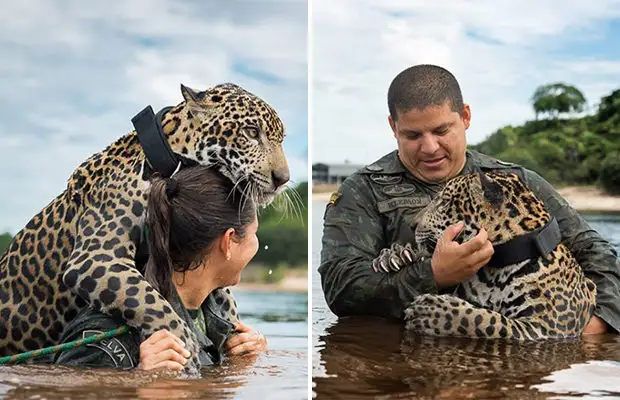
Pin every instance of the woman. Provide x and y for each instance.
(201, 233)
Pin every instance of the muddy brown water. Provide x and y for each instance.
(281, 373)
(373, 358)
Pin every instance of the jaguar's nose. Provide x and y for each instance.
(280, 177)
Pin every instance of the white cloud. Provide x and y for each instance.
(500, 51)
(74, 74)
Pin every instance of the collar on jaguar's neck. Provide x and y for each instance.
(537, 243)
(159, 155)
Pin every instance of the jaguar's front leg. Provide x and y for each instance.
(394, 258)
(101, 270)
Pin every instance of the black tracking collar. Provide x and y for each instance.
(532, 245)
(159, 155)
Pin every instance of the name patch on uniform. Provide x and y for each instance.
(382, 179)
(399, 190)
(113, 348)
(400, 202)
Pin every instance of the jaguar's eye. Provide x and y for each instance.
(251, 131)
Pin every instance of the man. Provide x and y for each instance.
(375, 208)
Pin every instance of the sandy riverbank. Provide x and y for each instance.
(297, 284)
(582, 198)
(321, 197)
(590, 199)
(259, 278)
(322, 192)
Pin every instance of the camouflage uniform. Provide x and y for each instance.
(376, 206)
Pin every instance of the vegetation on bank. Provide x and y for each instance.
(282, 234)
(562, 148)
(5, 239)
(257, 273)
(283, 230)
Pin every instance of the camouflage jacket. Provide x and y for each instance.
(375, 207)
(123, 351)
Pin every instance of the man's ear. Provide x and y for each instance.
(392, 124)
(466, 115)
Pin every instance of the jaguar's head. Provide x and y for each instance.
(500, 203)
(235, 131)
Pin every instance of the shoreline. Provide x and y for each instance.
(282, 287)
(590, 199)
(586, 199)
(293, 282)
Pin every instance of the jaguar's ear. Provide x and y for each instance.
(197, 102)
(190, 95)
(492, 190)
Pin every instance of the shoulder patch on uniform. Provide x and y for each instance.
(384, 179)
(334, 198)
(117, 352)
(374, 168)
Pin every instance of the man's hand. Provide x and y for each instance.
(595, 326)
(163, 350)
(453, 263)
(247, 341)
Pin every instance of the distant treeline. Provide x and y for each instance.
(564, 150)
(5, 239)
(284, 230)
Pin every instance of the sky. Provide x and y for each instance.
(74, 73)
(499, 51)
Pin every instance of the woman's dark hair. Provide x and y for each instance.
(185, 214)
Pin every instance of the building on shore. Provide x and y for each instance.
(332, 174)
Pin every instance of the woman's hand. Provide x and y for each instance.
(247, 341)
(163, 350)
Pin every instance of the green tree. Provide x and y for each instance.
(557, 98)
(608, 117)
(581, 151)
(282, 242)
(609, 106)
(610, 173)
(499, 141)
(522, 157)
(282, 230)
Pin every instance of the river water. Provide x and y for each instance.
(281, 373)
(371, 358)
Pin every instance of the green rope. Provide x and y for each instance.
(17, 358)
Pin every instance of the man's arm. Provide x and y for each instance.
(352, 238)
(596, 255)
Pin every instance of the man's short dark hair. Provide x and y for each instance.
(421, 86)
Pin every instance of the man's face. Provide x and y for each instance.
(431, 142)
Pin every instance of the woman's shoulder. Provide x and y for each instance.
(122, 351)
